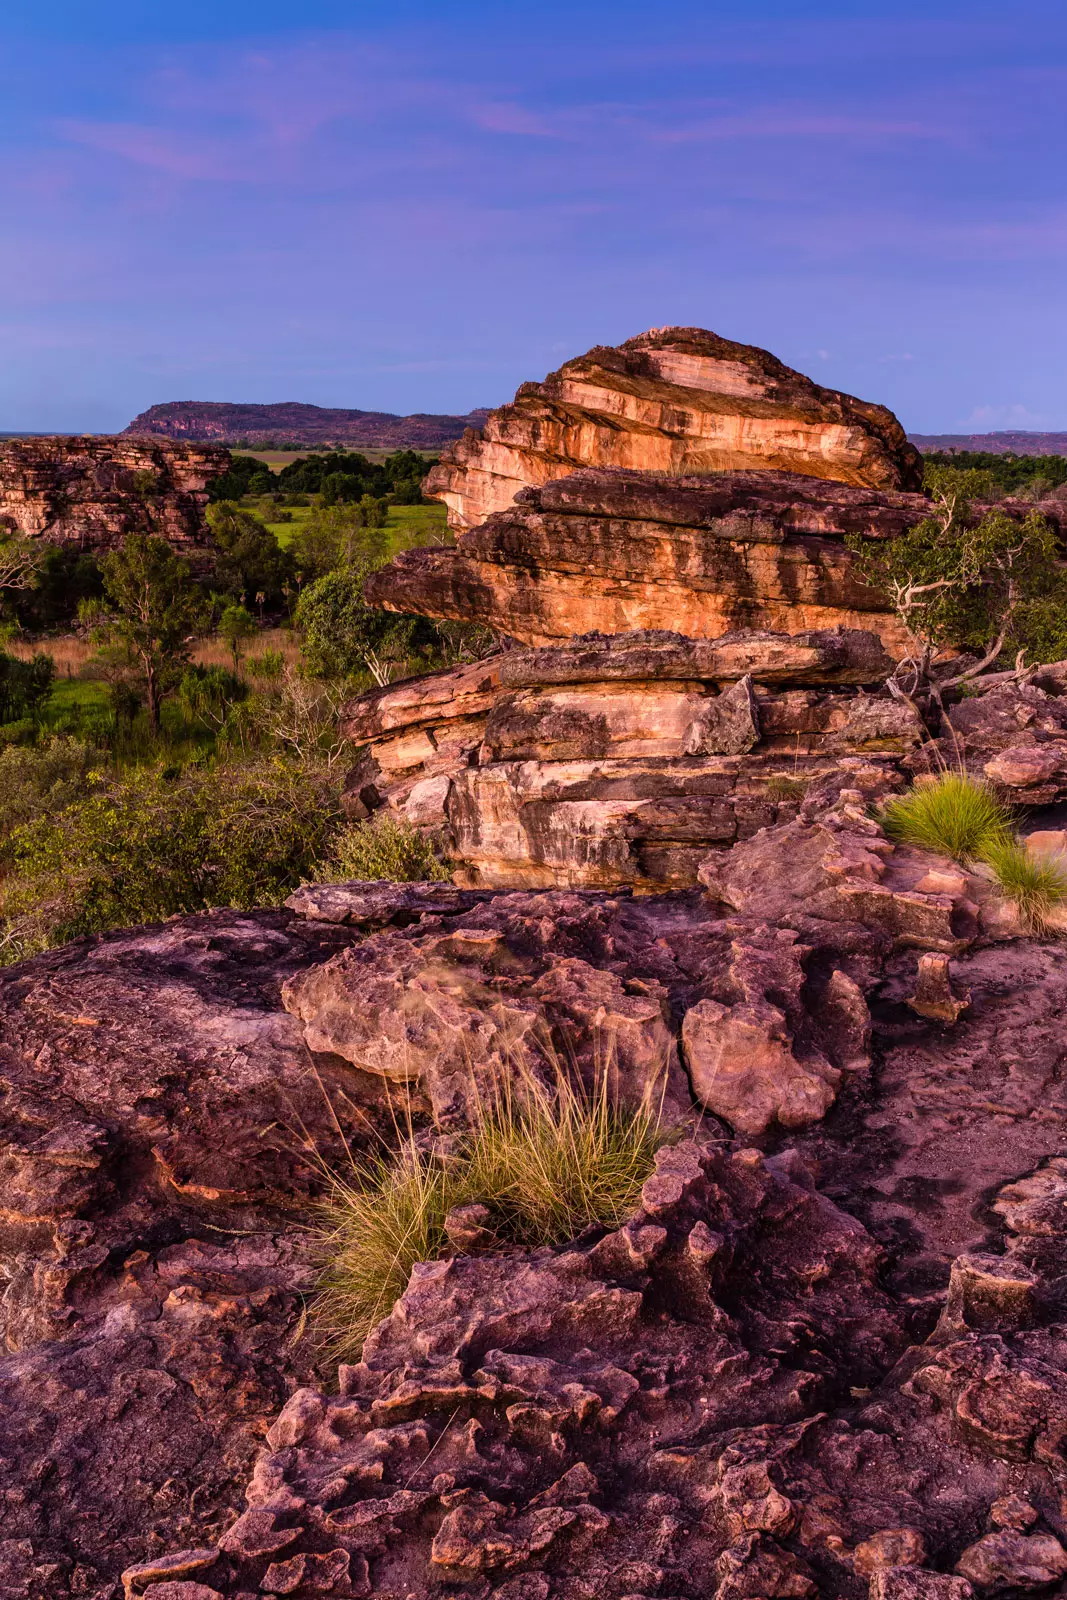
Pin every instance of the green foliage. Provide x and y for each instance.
(65, 576)
(249, 562)
(37, 781)
(547, 1160)
(154, 606)
(343, 636)
(399, 476)
(337, 536)
(383, 848)
(235, 626)
(208, 695)
(985, 584)
(245, 475)
(1029, 476)
(952, 814)
(1034, 881)
(24, 685)
(154, 843)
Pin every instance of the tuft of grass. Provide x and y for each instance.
(379, 1220)
(784, 788)
(1036, 883)
(384, 848)
(551, 1159)
(547, 1159)
(953, 814)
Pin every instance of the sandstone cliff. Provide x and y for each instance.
(675, 400)
(93, 491)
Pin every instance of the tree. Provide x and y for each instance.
(20, 561)
(344, 636)
(235, 626)
(338, 536)
(249, 558)
(957, 580)
(154, 606)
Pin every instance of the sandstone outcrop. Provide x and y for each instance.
(621, 760)
(814, 1350)
(611, 552)
(92, 492)
(674, 400)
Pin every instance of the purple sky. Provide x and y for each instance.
(411, 205)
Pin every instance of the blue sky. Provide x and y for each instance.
(416, 205)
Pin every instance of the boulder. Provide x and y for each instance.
(673, 400)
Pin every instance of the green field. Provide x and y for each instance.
(405, 526)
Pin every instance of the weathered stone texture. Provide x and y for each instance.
(674, 400)
(92, 491)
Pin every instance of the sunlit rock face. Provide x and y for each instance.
(94, 491)
(612, 551)
(675, 400)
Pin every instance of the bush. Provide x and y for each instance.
(546, 1160)
(37, 781)
(24, 685)
(384, 848)
(1036, 883)
(154, 844)
(952, 814)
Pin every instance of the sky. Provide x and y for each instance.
(416, 205)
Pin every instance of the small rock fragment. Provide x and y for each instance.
(934, 997)
(890, 1547)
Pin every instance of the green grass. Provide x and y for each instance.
(547, 1160)
(405, 526)
(952, 814)
(1035, 882)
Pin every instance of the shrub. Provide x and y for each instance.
(24, 685)
(548, 1160)
(155, 844)
(952, 814)
(384, 848)
(1036, 883)
(37, 781)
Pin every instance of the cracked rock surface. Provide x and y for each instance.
(827, 1355)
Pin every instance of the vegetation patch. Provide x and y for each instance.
(384, 848)
(951, 814)
(546, 1159)
(1037, 883)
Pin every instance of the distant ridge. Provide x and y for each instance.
(219, 422)
(998, 444)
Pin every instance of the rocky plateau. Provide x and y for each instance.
(827, 1353)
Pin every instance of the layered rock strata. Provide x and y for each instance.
(620, 760)
(673, 400)
(93, 492)
(614, 551)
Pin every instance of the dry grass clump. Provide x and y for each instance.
(953, 814)
(547, 1159)
(1036, 883)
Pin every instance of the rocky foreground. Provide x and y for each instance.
(826, 1355)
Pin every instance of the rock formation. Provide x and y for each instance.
(294, 423)
(623, 759)
(824, 1356)
(93, 491)
(674, 400)
(614, 551)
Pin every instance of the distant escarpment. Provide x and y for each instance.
(1010, 442)
(294, 423)
(674, 400)
(94, 491)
